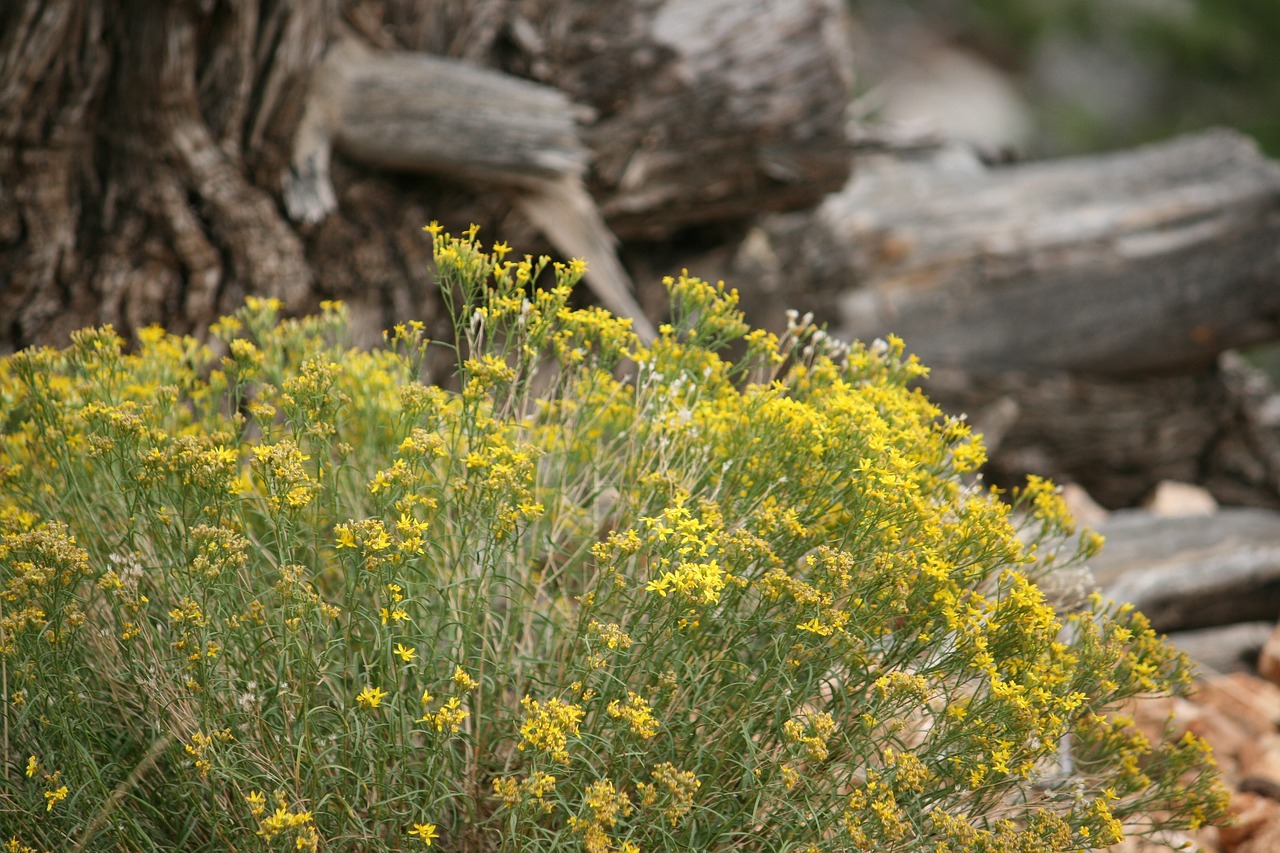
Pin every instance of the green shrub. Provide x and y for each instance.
(293, 598)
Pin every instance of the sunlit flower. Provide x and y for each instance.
(425, 832)
(371, 697)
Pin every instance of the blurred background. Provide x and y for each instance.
(1056, 77)
(1032, 79)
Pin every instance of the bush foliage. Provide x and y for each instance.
(601, 596)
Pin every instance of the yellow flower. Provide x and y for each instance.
(257, 803)
(396, 615)
(464, 681)
(52, 798)
(371, 697)
(637, 713)
(548, 727)
(404, 653)
(425, 831)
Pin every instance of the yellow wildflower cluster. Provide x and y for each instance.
(758, 603)
(637, 714)
(603, 805)
(300, 825)
(673, 789)
(285, 481)
(611, 635)
(200, 749)
(688, 547)
(812, 734)
(548, 726)
(514, 791)
(54, 791)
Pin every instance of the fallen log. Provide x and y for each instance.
(709, 110)
(411, 112)
(1194, 572)
(1121, 436)
(1226, 648)
(1146, 261)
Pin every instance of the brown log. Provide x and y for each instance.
(709, 110)
(1119, 437)
(1144, 261)
(409, 111)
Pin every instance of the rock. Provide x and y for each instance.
(1245, 699)
(1260, 766)
(1269, 657)
(1171, 499)
(1226, 737)
(925, 80)
(1163, 842)
(1193, 571)
(1084, 509)
(1237, 715)
(1230, 648)
(1256, 828)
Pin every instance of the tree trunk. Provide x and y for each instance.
(142, 144)
(709, 111)
(127, 137)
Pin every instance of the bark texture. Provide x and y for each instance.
(129, 133)
(142, 144)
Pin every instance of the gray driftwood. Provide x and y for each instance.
(1150, 260)
(1197, 572)
(413, 112)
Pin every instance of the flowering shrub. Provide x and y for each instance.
(602, 596)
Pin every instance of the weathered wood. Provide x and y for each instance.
(1193, 573)
(1240, 586)
(1119, 436)
(142, 144)
(1227, 648)
(1137, 541)
(411, 112)
(709, 110)
(1150, 260)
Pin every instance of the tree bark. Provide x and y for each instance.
(709, 111)
(142, 144)
(127, 135)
